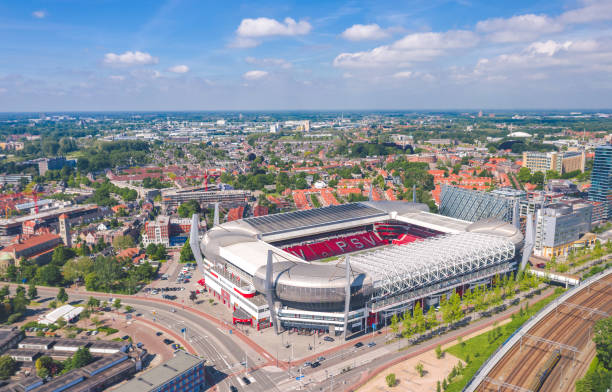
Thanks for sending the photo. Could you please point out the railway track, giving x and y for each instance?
(569, 326)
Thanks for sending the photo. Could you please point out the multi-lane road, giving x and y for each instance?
(223, 351)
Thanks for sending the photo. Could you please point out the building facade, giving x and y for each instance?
(601, 178)
(473, 205)
(563, 162)
(560, 227)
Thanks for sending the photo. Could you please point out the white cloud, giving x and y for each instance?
(592, 11)
(264, 27)
(269, 62)
(130, 58)
(40, 14)
(412, 48)
(179, 69)
(518, 28)
(117, 77)
(403, 74)
(361, 32)
(242, 42)
(255, 74)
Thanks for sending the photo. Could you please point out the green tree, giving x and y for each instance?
(439, 352)
(391, 380)
(117, 304)
(420, 369)
(418, 318)
(77, 268)
(8, 366)
(62, 296)
(438, 386)
(32, 292)
(48, 275)
(187, 209)
(61, 254)
(82, 357)
(524, 174)
(123, 242)
(602, 336)
(93, 303)
(186, 253)
(394, 324)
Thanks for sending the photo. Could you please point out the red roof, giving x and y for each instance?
(30, 242)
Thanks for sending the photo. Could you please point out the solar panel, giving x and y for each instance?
(315, 217)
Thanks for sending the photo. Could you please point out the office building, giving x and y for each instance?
(561, 162)
(601, 178)
(561, 227)
(183, 373)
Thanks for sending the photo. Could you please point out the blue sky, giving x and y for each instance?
(278, 55)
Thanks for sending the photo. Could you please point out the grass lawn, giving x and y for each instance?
(477, 350)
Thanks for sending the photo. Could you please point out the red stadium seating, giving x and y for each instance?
(335, 246)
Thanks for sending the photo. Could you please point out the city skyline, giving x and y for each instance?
(187, 55)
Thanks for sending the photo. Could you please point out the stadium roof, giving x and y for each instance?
(420, 263)
(288, 221)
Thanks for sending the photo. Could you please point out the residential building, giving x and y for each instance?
(54, 164)
(157, 231)
(183, 373)
(228, 198)
(561, 162)
(601, 178)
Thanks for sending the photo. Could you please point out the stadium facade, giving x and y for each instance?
(348, 267)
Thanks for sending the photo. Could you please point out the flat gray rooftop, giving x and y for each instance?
(311, 218)
(161, 374)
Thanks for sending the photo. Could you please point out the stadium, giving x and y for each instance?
(348, 268)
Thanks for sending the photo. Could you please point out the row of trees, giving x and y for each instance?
(452, 309)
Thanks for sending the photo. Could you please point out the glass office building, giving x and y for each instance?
(601, 178)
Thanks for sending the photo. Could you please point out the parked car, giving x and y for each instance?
(321, 359)
(328, 339)
(125, 337)
(139, 345)
(307, 364)
(371, 344)
(176, 346)
(233, 388)
(358, 344)
(159, 333)
(246, 380)
(315, 364)
(168, 341)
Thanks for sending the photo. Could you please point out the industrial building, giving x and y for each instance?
(347, 267)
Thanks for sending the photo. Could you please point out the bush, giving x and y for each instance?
(391, 380)
(13, 318)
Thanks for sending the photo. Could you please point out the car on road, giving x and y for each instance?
(246, 381)
(371, 344)
(315, 364)
(159, 333)
(328, 339)
(320, 359)
(168, 341)
(233, 388)
(358, 344)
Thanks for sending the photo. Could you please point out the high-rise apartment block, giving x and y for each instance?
(601, 178)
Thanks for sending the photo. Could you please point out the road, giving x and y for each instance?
(224, 352)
